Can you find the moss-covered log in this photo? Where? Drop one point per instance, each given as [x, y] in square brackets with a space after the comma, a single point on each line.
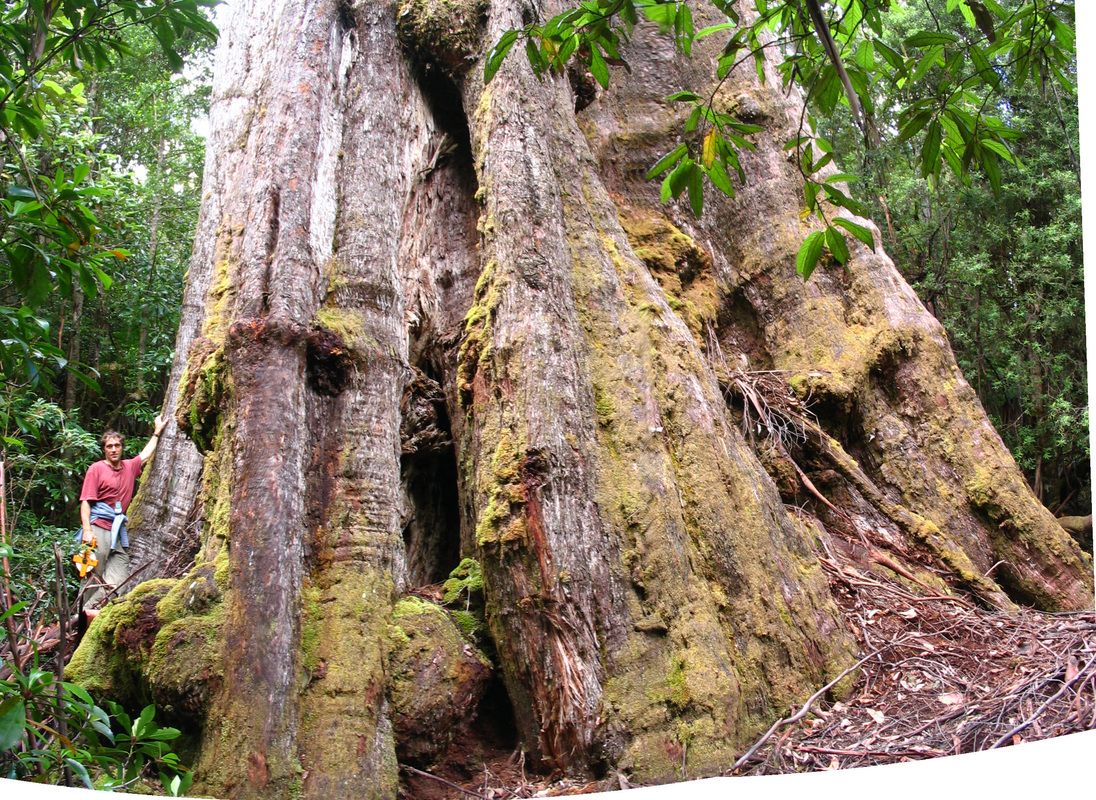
[436, 326]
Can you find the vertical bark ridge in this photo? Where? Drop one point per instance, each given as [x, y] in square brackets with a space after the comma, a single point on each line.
[288, 60]
[347, 746]
[715, 569]
[537, 533]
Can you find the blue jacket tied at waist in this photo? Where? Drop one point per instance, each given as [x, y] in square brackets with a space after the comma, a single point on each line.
[117, 519]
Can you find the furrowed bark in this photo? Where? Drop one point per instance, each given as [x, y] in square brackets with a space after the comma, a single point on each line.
[347, 746]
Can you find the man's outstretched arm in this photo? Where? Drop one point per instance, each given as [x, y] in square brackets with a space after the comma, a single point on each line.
[150, 447]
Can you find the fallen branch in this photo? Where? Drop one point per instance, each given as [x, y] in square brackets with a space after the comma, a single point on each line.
[1046, 704]
[806, 707]
[450, 784]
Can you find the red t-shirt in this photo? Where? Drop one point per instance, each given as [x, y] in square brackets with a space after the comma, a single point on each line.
[106, 485]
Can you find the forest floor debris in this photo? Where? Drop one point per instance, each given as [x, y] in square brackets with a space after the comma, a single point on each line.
[946, 677]
[937, 676]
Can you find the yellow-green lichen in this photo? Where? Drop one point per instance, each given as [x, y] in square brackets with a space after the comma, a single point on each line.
[502, 519]
[435, 677]
[712, 659]
[349, 327]
[475, 346]
[204, 393]
[682, 268]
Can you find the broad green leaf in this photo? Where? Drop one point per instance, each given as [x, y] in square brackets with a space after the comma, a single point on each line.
[694, 119]
[810, 195]
[79, 692]
[865, 56]
[928, 38]
[985, 69]
[100, 721]
[809, 253]
[708, 31]
[667, 161]
[148, 713]
[680, 176]
[993, 170]
[913, 125]
[930, 152]
[81, 772]
[999, 149]
[857, 230]
[835, 241]
[598, 68]
[696, 191]
[498, 54]
[662, 14]
[535, 57]
[839, 198]
[14, 609]
[933, 56]
[720, 179]
[13, 715]
[665, 191]
[892, 57]
[968, 15]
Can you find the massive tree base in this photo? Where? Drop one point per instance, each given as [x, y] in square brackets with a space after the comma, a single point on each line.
[434, 329]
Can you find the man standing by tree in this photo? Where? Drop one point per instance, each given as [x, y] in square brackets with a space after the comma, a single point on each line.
[106, 494]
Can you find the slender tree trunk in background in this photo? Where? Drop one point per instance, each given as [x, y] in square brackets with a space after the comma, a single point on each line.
[73, 350]
[397, 270]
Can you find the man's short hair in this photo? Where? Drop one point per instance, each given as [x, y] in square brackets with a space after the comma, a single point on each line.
[111, 435]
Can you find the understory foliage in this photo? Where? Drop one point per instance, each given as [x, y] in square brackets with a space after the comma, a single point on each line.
[944, 83]
[99, 190]
[100, 186]
[53, 731]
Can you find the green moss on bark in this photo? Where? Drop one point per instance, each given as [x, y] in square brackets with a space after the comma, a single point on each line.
[502, 520]
[205, 389]
[436, 678]
[159, 644]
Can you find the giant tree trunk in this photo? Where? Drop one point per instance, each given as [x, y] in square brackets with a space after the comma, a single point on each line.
[426, 320]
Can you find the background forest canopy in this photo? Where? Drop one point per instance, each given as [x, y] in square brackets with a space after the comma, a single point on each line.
[101, 185]
[951, 123]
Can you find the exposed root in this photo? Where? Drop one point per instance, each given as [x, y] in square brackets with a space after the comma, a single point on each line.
[769, 406]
